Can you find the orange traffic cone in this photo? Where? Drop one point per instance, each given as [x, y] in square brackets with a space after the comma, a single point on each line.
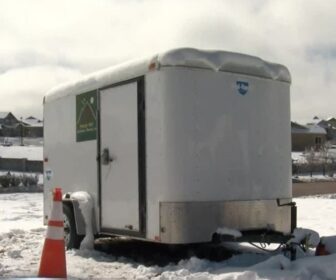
[53, 254]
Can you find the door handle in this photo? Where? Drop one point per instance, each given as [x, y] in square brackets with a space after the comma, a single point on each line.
[105, 157]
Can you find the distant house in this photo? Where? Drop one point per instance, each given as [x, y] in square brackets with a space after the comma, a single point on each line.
[10, 126]
[330, 126]
[33, 127]
[332, 121]
[8, 123]
[307, 136]
[7, 118]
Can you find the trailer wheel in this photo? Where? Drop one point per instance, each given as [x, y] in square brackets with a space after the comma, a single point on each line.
[71, 239]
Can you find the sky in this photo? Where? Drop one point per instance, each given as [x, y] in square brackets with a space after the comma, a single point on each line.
[45, 43]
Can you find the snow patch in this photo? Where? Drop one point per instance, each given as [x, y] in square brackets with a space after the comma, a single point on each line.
[224, 61]
[229, 231]
[28, 152]
[311, 236]
[20, 211]
[86, 206]
[276, 262]
[14, 254]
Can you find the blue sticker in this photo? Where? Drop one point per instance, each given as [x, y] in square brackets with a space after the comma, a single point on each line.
[48, 174]
[242, 87]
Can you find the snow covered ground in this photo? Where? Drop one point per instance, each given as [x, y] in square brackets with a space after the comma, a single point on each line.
[16, 141]
[315, 178]
[28, 152]
[33, 150]
[301, 157]
[298, 157]
[22, 236]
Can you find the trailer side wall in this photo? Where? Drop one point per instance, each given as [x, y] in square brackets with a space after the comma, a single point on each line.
[72, 165]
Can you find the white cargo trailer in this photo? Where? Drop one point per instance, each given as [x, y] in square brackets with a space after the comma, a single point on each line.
[174, 147]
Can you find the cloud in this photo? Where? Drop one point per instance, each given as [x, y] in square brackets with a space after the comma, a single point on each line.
[81, 36]
[24, 88]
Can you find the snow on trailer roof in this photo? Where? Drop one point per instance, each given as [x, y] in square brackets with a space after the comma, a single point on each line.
[185, 57]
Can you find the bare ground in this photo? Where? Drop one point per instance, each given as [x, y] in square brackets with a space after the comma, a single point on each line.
[314, 188]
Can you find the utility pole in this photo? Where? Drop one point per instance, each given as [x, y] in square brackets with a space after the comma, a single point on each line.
[21, 125]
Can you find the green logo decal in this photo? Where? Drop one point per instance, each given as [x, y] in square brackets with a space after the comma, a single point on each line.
[86, 116]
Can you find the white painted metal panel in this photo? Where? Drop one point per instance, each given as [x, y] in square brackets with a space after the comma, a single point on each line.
[208, 142]
[220, 144]
[119, 178]
[72, 165]
[180, 224]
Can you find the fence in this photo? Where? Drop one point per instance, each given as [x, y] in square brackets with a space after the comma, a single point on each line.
[326, 169]
[21, 165]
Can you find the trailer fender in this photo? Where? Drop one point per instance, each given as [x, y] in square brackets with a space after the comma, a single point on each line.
[79, 219]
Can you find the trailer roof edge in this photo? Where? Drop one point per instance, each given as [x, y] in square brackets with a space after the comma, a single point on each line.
[187, 57]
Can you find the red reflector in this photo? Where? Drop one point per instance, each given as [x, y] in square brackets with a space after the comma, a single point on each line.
[157, 238]
[152, 66]
[57, 194]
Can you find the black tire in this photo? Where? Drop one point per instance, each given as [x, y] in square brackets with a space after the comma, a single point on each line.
[71, 239]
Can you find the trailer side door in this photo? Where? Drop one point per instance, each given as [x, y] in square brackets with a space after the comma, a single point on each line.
[122, 159]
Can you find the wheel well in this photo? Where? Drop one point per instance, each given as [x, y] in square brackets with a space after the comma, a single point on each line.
[77, 214]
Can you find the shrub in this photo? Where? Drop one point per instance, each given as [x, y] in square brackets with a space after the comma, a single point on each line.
[12, 180]
[5, 181]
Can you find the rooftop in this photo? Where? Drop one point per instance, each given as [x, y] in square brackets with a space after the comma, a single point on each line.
[3, 115]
